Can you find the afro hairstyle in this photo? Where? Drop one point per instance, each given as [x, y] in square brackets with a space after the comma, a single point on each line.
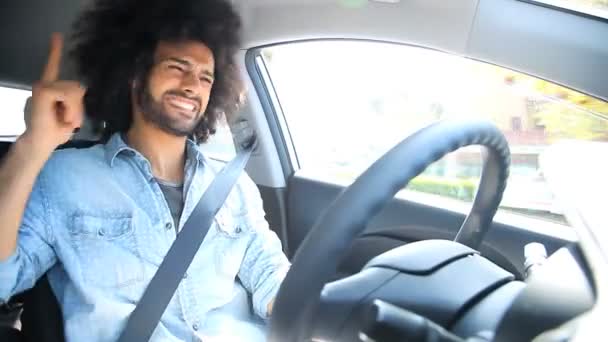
[114, 41]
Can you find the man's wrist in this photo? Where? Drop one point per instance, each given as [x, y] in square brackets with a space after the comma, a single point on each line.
[38, 151]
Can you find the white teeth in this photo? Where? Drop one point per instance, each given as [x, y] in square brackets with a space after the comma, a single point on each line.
[183, 105]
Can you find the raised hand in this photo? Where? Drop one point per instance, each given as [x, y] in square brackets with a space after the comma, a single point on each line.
[56, 107]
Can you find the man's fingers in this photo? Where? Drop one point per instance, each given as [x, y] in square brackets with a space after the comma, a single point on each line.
[70, 101]
[64, 98]
[72, 107]
[60, 91]
[72, 88]
[51, 70]
[73, 115]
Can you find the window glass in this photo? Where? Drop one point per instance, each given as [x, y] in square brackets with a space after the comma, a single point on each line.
[220, 145]
[598, 8]
[12, 122]
[348, 102]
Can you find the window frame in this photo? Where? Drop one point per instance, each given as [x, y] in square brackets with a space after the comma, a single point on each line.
[275, 118]
[567, 9]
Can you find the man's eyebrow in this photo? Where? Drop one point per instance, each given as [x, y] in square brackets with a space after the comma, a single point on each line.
[188, 64]
[208, 73]
[178, 60]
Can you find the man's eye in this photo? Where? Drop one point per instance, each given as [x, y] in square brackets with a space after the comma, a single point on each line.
[206, 80]
[176, 67]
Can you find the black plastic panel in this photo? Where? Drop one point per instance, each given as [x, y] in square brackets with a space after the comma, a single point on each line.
[443, 295]
[341, 299]
[421, 257]
[26, 27]
[275, 206]
[402, 222]
[486, 315]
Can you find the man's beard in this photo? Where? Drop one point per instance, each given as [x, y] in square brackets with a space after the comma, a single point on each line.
[154, 112]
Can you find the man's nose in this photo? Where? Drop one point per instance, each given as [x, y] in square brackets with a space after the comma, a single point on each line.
[191, 84]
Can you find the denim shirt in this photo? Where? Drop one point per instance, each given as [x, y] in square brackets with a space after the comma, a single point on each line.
[97, 221]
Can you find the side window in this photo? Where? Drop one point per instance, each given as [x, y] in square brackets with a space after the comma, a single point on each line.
[598, 8]
[348, 102]
[220, 145]
[12, 123]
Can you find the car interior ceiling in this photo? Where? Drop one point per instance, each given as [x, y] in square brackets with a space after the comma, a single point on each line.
[41, 321]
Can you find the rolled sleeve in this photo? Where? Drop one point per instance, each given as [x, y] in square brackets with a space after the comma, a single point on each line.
[266, 274]
[34, 254]
[6, 266]
[265, 265]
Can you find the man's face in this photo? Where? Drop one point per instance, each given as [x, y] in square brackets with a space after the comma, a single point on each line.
[176, 94]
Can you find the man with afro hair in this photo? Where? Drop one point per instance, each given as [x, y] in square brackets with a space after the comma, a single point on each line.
[154, 77]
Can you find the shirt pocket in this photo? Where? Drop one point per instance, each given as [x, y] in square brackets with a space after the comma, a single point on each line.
[232, 235]
[107, 249]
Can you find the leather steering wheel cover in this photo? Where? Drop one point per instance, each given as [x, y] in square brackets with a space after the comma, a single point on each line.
[319, 254]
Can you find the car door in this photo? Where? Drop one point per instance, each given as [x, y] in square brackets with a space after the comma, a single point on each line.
[335, 85]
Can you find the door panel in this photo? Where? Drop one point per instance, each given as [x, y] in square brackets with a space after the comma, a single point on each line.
[401, 222]
[275, 207]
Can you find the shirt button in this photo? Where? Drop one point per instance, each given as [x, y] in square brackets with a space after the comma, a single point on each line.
[186, 276]
[238, 229]
[168, 226]
[195, 326]
[101, 232]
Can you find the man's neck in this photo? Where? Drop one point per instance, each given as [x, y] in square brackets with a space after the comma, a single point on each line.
[166, 152]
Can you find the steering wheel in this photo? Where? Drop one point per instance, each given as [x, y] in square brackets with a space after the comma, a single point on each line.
[317, 258]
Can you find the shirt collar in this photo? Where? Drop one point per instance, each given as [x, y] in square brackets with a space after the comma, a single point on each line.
[193, 151]
[116, 145]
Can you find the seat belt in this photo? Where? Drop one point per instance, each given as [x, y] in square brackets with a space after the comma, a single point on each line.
[162, 287]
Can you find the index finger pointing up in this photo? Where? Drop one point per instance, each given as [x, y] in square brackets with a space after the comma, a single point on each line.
[51, 70]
